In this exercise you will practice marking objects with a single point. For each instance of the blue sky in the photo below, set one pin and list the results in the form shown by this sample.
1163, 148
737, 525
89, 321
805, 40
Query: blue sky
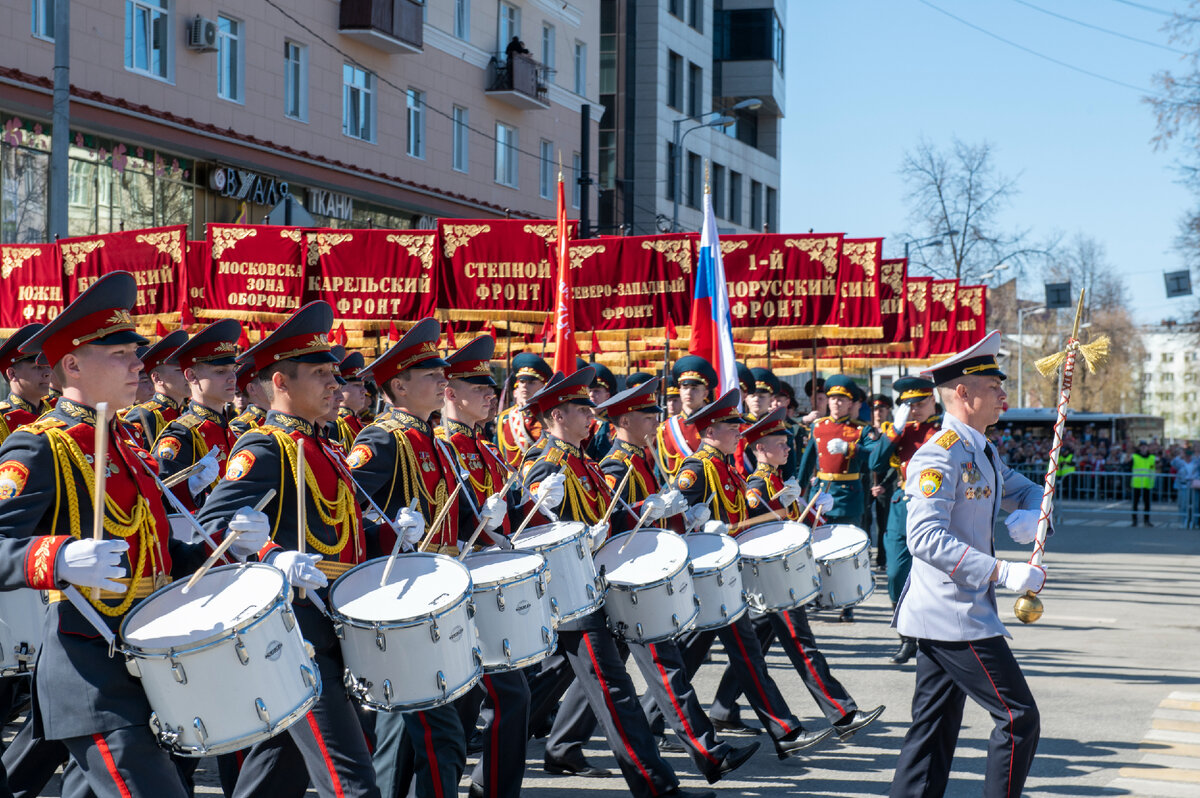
867, 79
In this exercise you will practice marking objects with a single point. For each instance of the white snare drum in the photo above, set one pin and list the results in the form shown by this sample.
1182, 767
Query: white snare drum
844, 560
575, 589
716, 579
648, 586
779, 571
224, 666
410, 644
512, 608
22, 626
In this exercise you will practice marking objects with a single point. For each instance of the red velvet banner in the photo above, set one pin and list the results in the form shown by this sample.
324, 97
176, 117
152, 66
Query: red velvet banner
153, 256
971, 324
632, 283
255, 273
858, 289
196, 264
501, 270
33, 285
918, 307
893, 308
943, 316
371, 277
786, 283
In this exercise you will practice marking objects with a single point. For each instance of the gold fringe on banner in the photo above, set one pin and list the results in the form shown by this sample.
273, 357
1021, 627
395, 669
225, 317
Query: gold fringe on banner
241, 315
443, 314
1094, 354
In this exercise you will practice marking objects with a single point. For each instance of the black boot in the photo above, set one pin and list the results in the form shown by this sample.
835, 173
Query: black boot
907, 650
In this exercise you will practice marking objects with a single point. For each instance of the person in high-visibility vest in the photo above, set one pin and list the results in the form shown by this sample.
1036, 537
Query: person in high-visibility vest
1143, 466
1066, 465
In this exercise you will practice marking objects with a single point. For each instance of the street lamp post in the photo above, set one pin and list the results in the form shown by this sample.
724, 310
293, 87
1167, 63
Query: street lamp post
1021, 313
928, 241
722, 120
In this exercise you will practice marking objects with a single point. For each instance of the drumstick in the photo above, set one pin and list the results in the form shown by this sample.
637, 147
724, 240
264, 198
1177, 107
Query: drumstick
616, 497
176, 478
479, 528
300, 505
533, 510
441, 516
629, 539
100, 464
387, 569
179, 508
225, 544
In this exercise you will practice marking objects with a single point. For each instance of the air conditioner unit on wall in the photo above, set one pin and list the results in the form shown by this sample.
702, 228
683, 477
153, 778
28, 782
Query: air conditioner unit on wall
202, 35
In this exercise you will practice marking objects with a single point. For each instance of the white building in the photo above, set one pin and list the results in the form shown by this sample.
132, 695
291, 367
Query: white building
1170, 379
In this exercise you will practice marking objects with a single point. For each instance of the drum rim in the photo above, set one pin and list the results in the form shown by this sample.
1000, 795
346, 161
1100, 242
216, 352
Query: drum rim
716, 569
281, 598
853, 554
337, 616
532, 659
525, 536
742, 610
687, 560
450, 697
684, 627
781, 607
515, 578
630, 586
866, 595
749, 558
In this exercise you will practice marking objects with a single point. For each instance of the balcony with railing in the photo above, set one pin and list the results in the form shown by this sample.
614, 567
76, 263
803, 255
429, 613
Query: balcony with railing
519, 80
393, 26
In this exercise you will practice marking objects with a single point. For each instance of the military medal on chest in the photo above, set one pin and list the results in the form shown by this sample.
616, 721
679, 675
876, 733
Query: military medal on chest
427, 464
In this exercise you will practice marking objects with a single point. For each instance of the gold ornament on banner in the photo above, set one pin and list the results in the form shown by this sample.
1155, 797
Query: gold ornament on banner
224, 238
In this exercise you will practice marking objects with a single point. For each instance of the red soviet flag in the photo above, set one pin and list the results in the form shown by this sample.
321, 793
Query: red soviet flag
565, 350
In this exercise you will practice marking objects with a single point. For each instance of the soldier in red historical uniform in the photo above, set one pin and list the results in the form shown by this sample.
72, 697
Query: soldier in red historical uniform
28, 382
517, 428
677, 440
149, 418
354, 398
249, 393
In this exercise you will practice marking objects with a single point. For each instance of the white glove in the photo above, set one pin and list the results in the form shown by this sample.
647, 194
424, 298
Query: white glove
254, 531
900, 417
551, 491
675, 502
599, 534
300, 569
411, 526
1020, 576
824, 502
1022, 525
493, 512
789, 493
653, 508
207, 473
837, 446
696, 517
716, 528
92, 563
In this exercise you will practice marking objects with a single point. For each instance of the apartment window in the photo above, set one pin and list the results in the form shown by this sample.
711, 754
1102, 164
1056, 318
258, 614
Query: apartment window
772, 209
718, 190
461, 121
675, 80
358, 103
295, 80
462, 20
693, 180
735, 197
756, 205
147, 37
230, 66
607, 155
415, 115
1168, 357
675, 7
546, 170
576, 170
671, 195
696, 14
548, 46
42, 19
510, 23
580, 68
506, 155
695, 87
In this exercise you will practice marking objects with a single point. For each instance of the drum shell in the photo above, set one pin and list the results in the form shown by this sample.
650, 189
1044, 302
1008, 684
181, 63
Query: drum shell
574, 584
846, 577
22, 630
513, 617
413, 663
719, 587
230, 690
785, 578
652, 611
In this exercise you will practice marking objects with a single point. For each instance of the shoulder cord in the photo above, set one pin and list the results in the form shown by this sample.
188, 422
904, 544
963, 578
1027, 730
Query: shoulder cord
580, 506
414, 482
336, 513
735, 509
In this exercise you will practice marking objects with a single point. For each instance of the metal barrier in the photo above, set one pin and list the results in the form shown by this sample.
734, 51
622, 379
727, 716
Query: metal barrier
1108, 495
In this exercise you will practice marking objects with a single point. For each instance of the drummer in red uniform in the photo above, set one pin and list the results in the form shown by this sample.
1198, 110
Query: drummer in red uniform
517, 428
677, 439
28, 382
354, 399
149, 418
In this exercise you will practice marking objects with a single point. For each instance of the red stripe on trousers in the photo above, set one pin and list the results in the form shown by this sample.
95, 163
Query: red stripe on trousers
111, 764
787, 619
612, 711
757, 684
337, 783
431, 755
1013, 751
493, 785
687, 728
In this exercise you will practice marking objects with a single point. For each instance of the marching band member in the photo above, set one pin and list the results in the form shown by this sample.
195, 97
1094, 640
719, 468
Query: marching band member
676, 439
715, 490
634, 415
766, 491
149, 418
516, 428
251, 413
200, 435
396, 459
915, 423
84, 696
600, 436
956, 485
586, 644
295, 370
883, 483
818, 401
28, 382
504, 696
354, 399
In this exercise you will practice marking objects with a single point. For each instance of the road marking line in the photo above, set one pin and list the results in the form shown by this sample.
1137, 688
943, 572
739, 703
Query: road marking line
1172, 736
1171, 749
1180, 763
1176, 714
1175, 703
1180, 695
1176, 725
1162, 774
1158, 789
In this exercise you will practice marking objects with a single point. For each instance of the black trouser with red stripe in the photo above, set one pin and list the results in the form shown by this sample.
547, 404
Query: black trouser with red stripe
792, 630
425, 750
502, 700
947, 673
121, 763
668, 686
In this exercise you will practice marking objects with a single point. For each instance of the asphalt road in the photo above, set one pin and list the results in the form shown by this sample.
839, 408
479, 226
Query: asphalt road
1114, 665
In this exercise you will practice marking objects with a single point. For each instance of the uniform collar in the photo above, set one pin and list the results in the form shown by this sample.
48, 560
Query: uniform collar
627, 447
279, 418
78, 413
708, 450
456, 427
765, 470
561, 445
18, 402
345, 412
164, 400
409, 420
206, 413
971, 437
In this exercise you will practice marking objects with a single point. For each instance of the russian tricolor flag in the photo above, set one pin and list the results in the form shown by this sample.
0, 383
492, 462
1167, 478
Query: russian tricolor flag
712, 332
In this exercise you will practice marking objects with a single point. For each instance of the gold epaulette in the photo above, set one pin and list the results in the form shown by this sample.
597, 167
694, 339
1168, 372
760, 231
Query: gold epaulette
189, 420
947, 439
42, 424
555, 455
620, 455
440, 432
5, 407
390, 425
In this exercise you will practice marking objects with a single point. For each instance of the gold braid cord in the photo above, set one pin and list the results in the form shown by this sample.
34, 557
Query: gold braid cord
339, 512
415, 485
734, 509
577, 499
1094, 354
68, 458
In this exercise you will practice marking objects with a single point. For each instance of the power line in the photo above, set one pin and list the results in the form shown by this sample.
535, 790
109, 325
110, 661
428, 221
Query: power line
1144, 7
1118, 34
1043, 56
